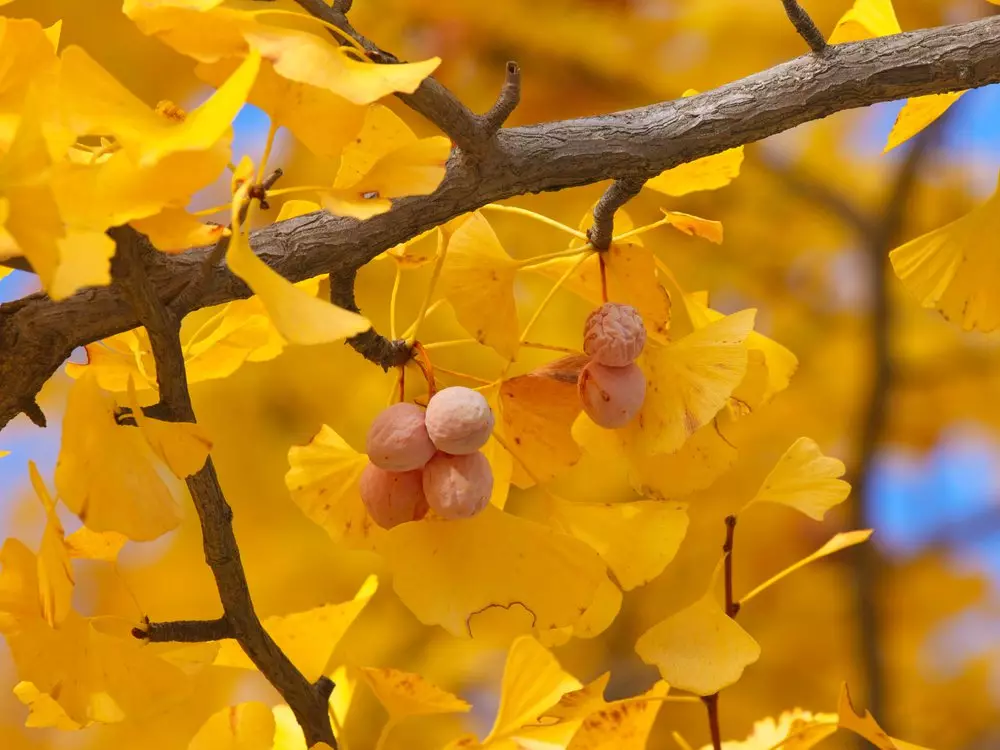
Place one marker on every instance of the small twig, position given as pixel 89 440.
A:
pixel 732 607
pixel 371 345
pixel 343 6
pixel 185 631
pixel 712 704
pixel 617 195
pixel 507 100
pixel 804 25
pixel 32 411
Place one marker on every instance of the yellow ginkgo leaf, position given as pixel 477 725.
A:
pixel 104 473
pixel 695 225
pixel 323 480
pixel 307 638
pixel 43 710
pixel 636 539
pixel 405 694
pixel 55 574
pixel 479 577
pixel 699 649
pixel 385 161
pixel 689 381
pixel 298 316
pixel 866 19
pixel 533 681
pixel 707 173
pixel 917 114
pixel 795 730
pixel 293 208
pixel 806 480
pixel 621 725
pixel 955 269
pixel 174 230
pixel 839 542
pixel 537 411
pixel 862 725
pixel 578 704
pixel 477 279
pixel 91 545
pixel 182 446
pixel 245 726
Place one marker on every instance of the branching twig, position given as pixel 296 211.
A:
pixel 185 631
pixel 804 25
pixel 307 701
pixel 37 334
pixel 617 195
pixel 732 609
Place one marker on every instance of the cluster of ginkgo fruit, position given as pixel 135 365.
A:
pixel 429 460
pixel 611 385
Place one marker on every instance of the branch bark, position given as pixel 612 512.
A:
pixel 307 701
pixel 37 334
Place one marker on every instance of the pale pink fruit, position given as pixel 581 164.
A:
pixel 458 486
pixel 614 334
pixel 459 420
pixel 398 440
pixel 393 497
pixel 611 396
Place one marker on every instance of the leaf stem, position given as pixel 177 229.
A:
pixel 537 217
pixel 442 251
pixel 539 259
pixel 392 301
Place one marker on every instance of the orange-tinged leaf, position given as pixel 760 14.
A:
pixel 917 114
pixel 707 173
pixel 307 638
pixel 483 571
pixel 637 540
pixel 182 446
pixel 621 725
pixel 806 480
pixel 174 230
pixel 245 726
pixel 863 725
pixel 955 269
pixel 104 473
pixel 537 411
pixel 695 225
pixel 866 19
pixel 699 649
pixel 477 279
pixel 298 316
pixel 404 694
pixel 533 681
pixel 323 479
pixel 837 543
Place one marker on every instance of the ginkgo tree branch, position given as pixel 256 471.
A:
pixel 38 334
pixel 308 701
pixel 617 195
pixel 804 24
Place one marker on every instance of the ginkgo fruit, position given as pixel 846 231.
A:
pixel 458 486
pixel 393 497
pixel 611 396
pixel 614 335
pixel 459 420
pixel 398 440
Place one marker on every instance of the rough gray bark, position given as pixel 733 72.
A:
pixel 36 334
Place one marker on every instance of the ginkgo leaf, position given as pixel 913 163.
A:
pixel 55 574
pixel 298 316
pixel 863 725
pixel 182 446
pixel 954 269
pixel 636 539
pixel 621 725
pixel 477 279
pixel 840 541
pixel 537 411
pixel 90 545
pixel 917 114
pixel 479 577
pixel 695 225
pixel 104 474
pixel 307 638
pixel 293 208
pixel 689 381
pixel 806 480
pixel 699 649
pixel 866 19
pixel 245 726
pixel 174 230
pixel 578 704
pixel 323 479
pixel 794 730
pixel 533 681
pixel 598 617
pixel 707 173
pixel 404 694
pixel 43 710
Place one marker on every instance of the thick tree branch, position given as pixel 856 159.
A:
pixel 308 702
pixel 804 25
pixel 617 195
pixel 37 334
